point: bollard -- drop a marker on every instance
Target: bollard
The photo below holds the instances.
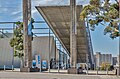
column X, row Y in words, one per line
column 87, row 69
column 97, row 71
column 4, row 67
column 12, row 67
column 58, row 69
column 107, row 71
column 40, row 67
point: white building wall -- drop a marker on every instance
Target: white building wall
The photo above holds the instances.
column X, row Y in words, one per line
column 103, row 58
column 6, row 54
column 40, row 46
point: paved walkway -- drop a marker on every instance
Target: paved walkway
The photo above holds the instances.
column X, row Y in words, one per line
column 37, row 75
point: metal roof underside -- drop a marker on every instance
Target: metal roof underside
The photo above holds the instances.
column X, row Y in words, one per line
column 58, row 19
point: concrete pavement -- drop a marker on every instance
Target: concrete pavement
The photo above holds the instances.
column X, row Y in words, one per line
column 38, row 75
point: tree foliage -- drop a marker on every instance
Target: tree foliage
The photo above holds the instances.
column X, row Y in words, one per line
column 104, row 13
column 17, row 40
column 105, row 65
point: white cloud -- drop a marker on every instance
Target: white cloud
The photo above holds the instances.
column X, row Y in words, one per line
column 34, row 11
column 58, row 2
column 50, row 2
column 18, row 18
column 16, row 12
column 82, row 2
column 4, row 9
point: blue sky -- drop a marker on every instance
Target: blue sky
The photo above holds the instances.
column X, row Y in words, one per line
column 11, row 10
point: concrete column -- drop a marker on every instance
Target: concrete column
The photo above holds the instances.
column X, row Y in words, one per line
column 73, row 49
column 118, row 71
column 119, row 44
column 27, row 39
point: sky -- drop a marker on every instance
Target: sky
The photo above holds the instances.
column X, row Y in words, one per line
column 11, row 10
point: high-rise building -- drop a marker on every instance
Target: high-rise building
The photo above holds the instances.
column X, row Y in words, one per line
column 114, row 60
column 103, row 58
column 97, row 58
column 117, row 64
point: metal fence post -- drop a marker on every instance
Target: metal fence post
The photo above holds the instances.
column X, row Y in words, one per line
column 49, row 51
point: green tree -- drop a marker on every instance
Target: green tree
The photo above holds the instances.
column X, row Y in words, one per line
column 104, row 13
column 105, row 65
column 17, row 41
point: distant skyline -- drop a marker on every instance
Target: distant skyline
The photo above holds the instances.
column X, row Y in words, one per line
column 11, row 10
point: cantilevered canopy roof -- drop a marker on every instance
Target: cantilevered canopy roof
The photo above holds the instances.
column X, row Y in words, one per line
column 58, row 19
